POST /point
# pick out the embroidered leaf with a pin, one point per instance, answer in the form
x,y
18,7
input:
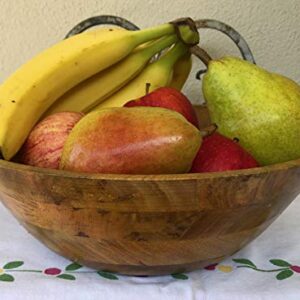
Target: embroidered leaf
x,y
6,277
66,276
13,264
280,263
180,276
244,261
107,275
284,274
73,266
109,271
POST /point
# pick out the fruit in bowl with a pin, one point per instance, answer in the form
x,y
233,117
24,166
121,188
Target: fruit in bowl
x,y
29,92
147,224
219,153
139,222
44,145
261,108
168,98
139,140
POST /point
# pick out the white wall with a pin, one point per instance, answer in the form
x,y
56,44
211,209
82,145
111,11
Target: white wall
x,y
271,27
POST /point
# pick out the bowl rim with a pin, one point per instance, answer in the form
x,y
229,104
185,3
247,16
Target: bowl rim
x,y
156,177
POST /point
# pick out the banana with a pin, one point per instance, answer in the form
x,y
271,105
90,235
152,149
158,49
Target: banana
x,y
157,74
36,85
181,71
92,91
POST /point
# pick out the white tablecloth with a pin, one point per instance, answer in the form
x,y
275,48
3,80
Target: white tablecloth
x,y
265,269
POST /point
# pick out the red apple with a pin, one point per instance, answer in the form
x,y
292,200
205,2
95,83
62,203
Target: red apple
x,y
43,147
219,153
170,98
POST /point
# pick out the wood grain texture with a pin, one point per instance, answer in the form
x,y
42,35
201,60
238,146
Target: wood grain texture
x,y
147,225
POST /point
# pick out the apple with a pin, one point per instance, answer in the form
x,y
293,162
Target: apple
x,y
169,98
219,153
43,147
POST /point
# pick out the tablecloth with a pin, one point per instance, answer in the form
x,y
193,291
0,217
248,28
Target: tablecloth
x,y
268,268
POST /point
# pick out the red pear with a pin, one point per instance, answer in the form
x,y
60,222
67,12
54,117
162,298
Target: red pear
x,y
44,145
169,98
139,140
219,153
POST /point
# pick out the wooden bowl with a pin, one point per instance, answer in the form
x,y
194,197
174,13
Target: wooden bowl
x,y
147,225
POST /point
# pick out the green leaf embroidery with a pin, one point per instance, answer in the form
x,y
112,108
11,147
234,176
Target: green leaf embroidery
x,y
109,271
6,277
180,276
280,263
73,266
66,276
13,265
107,275
284,274
244,261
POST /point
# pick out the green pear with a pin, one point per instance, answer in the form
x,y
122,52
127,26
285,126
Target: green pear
x,y
135,140
260,108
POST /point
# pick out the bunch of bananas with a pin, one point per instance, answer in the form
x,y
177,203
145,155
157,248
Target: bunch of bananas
x,y
95,69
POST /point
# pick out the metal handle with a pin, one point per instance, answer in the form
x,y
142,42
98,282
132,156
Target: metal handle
x,y
231,33
101,20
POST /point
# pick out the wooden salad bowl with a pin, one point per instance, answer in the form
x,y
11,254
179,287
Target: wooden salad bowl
x,y
147,224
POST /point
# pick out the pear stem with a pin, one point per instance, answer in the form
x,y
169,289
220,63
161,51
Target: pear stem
x,y
202,54
209,130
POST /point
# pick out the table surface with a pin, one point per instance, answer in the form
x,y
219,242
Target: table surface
x,y
268,268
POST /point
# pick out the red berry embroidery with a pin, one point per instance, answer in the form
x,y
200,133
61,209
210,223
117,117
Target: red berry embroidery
x,y
295,268
211,267
52,271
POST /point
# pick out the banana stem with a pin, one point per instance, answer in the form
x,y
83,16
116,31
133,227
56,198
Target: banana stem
x,y
173,54
145,35
189,24
161,44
